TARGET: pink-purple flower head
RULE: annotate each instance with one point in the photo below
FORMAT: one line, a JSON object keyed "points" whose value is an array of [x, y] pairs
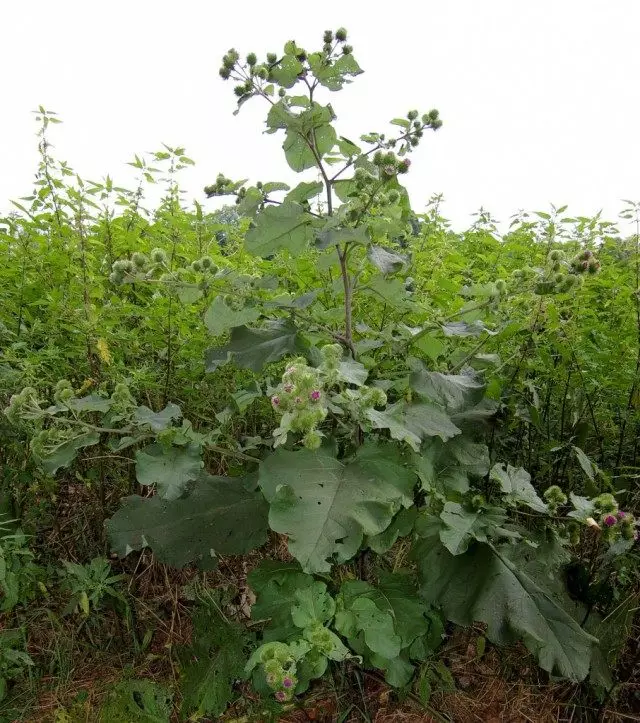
{"points": [[610, 520], [315, 395], [288, 682], [288, 388], [275, 400], [621, 514], [281, 696]]}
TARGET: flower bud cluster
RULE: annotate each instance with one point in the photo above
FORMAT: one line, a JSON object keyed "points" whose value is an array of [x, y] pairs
{"points": [[585, 263], [23, 405], [122, 399], [389, 165], [63, 392], [279, 666], [305, 394], [555, 498], [300, 399]]}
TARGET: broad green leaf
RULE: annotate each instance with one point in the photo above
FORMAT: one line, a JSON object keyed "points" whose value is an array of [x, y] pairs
{"points": [[401, 526], [90, 403], [462, 526], [357, 613], [386, 261], [446, 467], [143, 701], [508, 601], [348, 148], [397, 595], [286, 72], [250, 202], [64, 454], [253, 348], [304, 191], [220, 317], [388, 291], [352, 372], [188, 293], [170, 469], [272, 186], [453, 392], [333, 236], [313, 604], [302, 149], [219, 517], [463, 328], [326, 506], [276, 585], [413, 423], [245, 397], [515, 483], [157, 421], [286, 226]]}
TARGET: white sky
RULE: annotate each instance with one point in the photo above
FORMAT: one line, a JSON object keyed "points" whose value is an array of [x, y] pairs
{"points": [[540, 99]]}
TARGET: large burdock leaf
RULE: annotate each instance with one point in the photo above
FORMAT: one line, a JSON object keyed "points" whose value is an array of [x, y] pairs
{"points": [[448, 466], [462, 526], [253, 348], [64, 454], [452, 392], [275, 585], [326, 506], [413, 423], [219, 517], [515, 482], [484, 585], [388, 624], [170, 469], [220, 317], [286, 226]]}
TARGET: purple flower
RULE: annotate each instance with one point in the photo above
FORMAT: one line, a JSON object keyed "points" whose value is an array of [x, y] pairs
{"points": [[275, 401], [288, 682], [621, 515], [315, 395], [288, 388], [281, 696], [610, 520]]}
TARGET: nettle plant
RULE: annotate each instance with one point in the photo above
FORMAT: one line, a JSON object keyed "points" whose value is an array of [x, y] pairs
{"points": [[376, 470]]}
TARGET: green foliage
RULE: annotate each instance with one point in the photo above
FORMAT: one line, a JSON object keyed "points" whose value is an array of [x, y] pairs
{"points": [[220, 516], [89, 585], [376, 384], [14, 661], [508, 601], [326, 506], [142, 701], [211, 664]]}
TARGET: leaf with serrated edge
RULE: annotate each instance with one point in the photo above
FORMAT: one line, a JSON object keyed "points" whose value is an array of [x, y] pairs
{"points": [[508, 601], [326, 507], [219, 517]]}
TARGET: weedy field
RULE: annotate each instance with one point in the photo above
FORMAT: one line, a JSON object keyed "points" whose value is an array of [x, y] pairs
{"points": [[313, 455]]}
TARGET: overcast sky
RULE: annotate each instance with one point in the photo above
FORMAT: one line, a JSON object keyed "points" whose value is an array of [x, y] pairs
{"points": [[540, 99]]}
